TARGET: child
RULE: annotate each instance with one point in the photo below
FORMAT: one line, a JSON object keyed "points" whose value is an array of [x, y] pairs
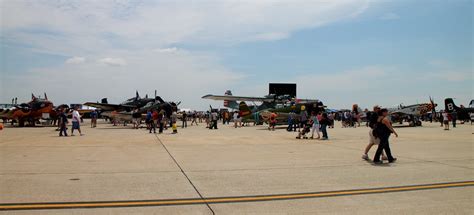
{"points": [[306, 129], [315, 127]]}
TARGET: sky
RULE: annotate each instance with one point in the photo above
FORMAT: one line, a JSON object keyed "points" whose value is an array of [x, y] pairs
{"points": [[342, 52]]}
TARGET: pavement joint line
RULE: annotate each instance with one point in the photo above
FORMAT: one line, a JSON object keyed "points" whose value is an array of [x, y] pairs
{"points": [[184, 173], [230, 199]]}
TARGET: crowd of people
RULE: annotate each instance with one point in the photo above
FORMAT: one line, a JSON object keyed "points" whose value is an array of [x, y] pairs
{"points": [[309, 126]]}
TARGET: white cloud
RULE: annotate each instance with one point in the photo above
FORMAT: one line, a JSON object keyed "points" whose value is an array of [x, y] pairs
{"points": [[177, 77], [135, 39], [113, 61], [88, 25], [390, 16], [75, 60], [167, 50]]}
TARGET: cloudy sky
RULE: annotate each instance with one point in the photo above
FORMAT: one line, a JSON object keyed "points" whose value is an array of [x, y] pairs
{"points": [[342, 52]]}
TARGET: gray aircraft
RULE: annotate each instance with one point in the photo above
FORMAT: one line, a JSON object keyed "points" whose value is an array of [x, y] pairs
{"points": [[412, 113], [127, 105]]}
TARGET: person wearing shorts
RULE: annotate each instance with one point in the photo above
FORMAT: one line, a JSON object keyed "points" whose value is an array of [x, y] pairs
{"points": [[76, 119], [446, 120]]}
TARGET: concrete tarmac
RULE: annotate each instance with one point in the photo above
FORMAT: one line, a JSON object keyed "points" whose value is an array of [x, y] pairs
{"points": [[116, 163]]}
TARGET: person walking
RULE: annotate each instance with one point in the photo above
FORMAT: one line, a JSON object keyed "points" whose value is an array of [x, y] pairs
{"points": [[214, 118], [372, 118], [161, 121], [291, 121], [324, 124], [76, 120], [136, 117], [382, 130], [94, 116], [445, 120], [272, 122], [454, 118], [185, 120], [148, 120], [62, 123], [194, 117], [153, 121], [237, 119], [303, 117]]}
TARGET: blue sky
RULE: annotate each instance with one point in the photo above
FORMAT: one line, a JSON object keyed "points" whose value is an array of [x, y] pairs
{"points": [[345, 52]]}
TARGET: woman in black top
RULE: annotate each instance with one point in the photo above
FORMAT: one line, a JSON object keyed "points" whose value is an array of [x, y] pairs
{"points": [[382, 130]]}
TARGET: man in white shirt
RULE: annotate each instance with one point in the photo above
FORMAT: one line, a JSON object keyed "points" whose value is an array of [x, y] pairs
{"points": [[76, 119], [237, 119]]}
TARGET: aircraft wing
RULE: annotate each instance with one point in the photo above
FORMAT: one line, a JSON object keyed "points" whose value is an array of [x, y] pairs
{"points": [[238, 98], [107, 107]]}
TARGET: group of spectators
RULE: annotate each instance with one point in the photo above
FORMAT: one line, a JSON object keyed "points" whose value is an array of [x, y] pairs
{"points": [[75, 119]]}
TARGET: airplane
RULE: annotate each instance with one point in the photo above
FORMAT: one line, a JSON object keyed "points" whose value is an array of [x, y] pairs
{"points": [[157, 104], [29, 112], [462, 112], [282, 112], [127, 105], [268, 101], [412, 113]]}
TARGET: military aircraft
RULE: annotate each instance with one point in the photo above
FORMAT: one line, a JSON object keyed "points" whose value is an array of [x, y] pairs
{"points": [[127, 105], [282, 112], [156, 104], [412, 113], [30, 112], [268, 101], [462, 112], [251, 113]]}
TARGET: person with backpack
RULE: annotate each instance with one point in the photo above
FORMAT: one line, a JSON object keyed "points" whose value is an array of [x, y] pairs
{"points": [[372, 118], [383, 129]]}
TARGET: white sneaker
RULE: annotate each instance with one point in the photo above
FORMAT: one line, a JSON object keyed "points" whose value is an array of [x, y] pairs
{"points": [[365, 157]]}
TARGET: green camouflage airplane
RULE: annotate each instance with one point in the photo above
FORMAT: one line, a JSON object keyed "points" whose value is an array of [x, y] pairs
{"points": [[282, 112]]}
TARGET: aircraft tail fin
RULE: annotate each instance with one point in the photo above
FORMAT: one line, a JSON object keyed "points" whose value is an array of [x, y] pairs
{"points": [[449, 105], [244, 109], [230, 104]]}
